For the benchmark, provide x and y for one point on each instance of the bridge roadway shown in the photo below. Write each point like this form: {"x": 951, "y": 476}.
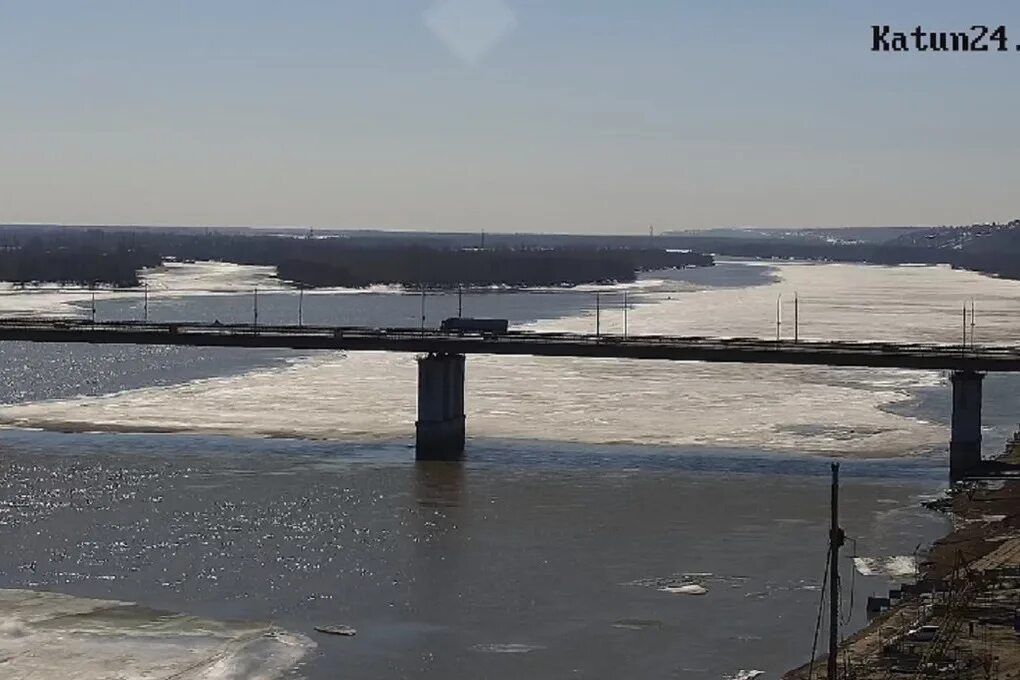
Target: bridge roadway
{"x": 432, "y": 341}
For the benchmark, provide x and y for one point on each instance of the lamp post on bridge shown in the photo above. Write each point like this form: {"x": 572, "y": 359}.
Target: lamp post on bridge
{"x": 964, "y": 326}
{"x": 779, "y": 317}
{"x": 796, "y": 318}
{"x": 423, "y": 309}
{"x": 625, "y": 313}
{"x": 972, "y": 323}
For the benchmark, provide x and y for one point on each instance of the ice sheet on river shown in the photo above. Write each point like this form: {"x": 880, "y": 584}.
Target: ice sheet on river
{"x": 51, "y": 635}
{"x": 804, "y": 409}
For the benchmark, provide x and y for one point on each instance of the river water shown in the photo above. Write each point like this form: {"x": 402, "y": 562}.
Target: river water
{"x": 596, "y": 499}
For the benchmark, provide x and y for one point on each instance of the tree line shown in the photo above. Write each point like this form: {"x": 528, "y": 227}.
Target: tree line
{"x": 113, "y": 257}
{"x": 996, "y": 253}
{"x": 73, "y": 257}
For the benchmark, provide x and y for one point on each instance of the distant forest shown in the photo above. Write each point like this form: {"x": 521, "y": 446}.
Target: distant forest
{"x": 113, "y": 257}
{"x": 73, "y": 257}
{"x": 989, "y": 248}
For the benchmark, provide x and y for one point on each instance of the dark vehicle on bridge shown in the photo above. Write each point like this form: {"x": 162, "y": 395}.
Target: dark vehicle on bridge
{"x": 485, "y": 327}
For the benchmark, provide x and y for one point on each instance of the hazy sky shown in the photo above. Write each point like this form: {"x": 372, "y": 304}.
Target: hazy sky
{"x": 581, "y": 116}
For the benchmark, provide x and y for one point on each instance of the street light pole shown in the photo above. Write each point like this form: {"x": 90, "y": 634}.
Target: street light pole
{"x": 301, "y": 306}
{"x": 145, "y": 303}
{"x": 972, "y": 323}
{"x": 796, "y": 317}
{"x": 779, "y": 317}
{"x": 255, "y": 308}
{"x": 965, "y": 325}
{"x": 423, "y": 310}
{"x": 598, "y": 315}
{"x": 625, "y": 307}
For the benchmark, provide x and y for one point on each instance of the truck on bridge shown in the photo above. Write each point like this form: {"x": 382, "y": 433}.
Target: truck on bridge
{"x": 485, "y": 327}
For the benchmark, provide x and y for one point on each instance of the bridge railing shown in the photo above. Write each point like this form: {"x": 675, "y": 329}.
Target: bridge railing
{"x": 517, "y": 336}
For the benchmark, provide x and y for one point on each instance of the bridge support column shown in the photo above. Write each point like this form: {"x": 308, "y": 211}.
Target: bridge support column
{"x": 440, "y": 427}
{"x": 965, "y": 446}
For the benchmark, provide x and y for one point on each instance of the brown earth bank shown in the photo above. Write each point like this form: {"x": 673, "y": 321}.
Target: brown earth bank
{"x": 958, "y": 620}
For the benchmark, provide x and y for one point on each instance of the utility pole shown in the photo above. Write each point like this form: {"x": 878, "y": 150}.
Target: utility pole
{"x": 598, "y": 315}
{"x": 796, "y": 317}
{"x": 972, "y": 322}
{"x": 965, "y": 325}
{"x": 779, "y": 317}
{"x": 145, "y": 303}
{"x": 624, "y": 313}
{"x": 835, "y": 542}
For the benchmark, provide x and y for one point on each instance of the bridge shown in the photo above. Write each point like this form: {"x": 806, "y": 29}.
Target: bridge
{"x": 440, "y": 428}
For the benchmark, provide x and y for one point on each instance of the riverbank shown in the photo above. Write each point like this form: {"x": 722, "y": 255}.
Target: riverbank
{"x": 959, "y": 619}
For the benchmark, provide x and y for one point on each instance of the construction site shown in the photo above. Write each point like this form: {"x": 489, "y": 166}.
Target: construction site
{"x": 961, "y": 618}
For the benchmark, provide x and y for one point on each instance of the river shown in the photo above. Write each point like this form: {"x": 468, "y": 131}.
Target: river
{"x": 611, "y": 518}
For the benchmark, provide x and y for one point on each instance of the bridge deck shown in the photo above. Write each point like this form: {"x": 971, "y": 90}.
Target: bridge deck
{"x": 669, "y": 348}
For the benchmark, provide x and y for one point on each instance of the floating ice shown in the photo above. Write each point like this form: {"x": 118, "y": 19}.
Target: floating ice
{"x": 637, "y": 624}
{"x": 345, "y": 631}
{"x": 689, "y": 589}
{"x": 745, "y": 675}
{"x": 897, "y": 566}
{"x": 506, "y": 648}
{"x": 50, "y": 635}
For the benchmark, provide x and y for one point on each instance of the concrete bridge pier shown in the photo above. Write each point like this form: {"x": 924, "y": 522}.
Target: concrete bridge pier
{"x": 440, "y": 427}
{"x": 965, "y": 445}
